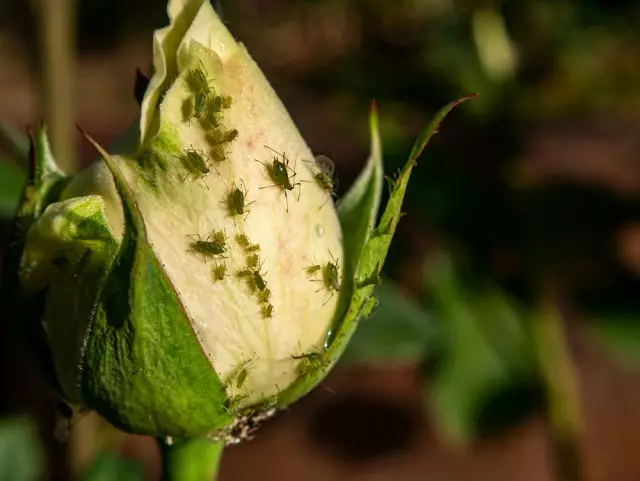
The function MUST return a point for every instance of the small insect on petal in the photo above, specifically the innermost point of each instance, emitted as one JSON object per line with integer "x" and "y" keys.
{"x": 264, "y": 296}
{"x": 279, "y": 173}
{"x": 219, "y": 272}
{"x": 267, "y": 311}
{"x": 214, "y": 245}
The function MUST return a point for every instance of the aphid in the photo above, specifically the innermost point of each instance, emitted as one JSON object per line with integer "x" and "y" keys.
{"x": 237, "y": 199}
{"x": 324, "y": 175}
{"x": 243, "y": 240}
{"x": 219, "y": 272}
{"x": 216, "y": 104}
{"x": 242, "y": 376}
{"x": 330, "y": 277}
{"x": 226, "y": 101}
{"x": 198, "y": 80}
{"x": 257, "y": 278}
{"x": 279, "y": 173}
{"x": 254, "y": 277}
{"x": 199, "y": 105}
{"x": 267, "y": 311}
{"x": 326, "y": 165}
{"x": 312, "y": 269}
{"x": 231, "y": 135}
{"x": 252, "y": 261}
{"x": 214, "y": 245}
{"x": 311, "y": 361}
{"x": 240, "y": 373}
{"x": 218, "y": 154}
{"x": 264, "y": 296}
{"x": 196, "y": 163}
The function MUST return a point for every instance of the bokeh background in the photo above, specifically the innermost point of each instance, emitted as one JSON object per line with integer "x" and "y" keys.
{"x": 506, "y": 343}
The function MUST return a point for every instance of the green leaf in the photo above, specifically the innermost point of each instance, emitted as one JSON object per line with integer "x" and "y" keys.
{"x": 21, "y": 455}
{"x": 400, "y": 330}
{"x": 487, "y": 347}
{"x": 111, "y": 467}
{"x": 368, "y": 267}
{"x": 12, "y": 181}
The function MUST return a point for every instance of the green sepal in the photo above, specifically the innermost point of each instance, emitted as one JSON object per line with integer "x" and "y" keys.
{"x": 45, "y": 177}
{"x": 376, "y": 243}
{"x": 69, "y": 251}
{"x": 145, "y": 370}
{"x": 358, "y": 208}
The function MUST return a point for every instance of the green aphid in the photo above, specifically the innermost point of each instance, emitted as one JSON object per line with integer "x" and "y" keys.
{"x": 214, "y": 245}
{"x": 233, "y": 404}
{"x": 226, "y": 101}
{"x": 200, "y": 105}
{"x": 196, "y": 163}
{"x": 198, "y": 80}
{"x": 223, "y": 137}
{"x": 242, "y": 376}
{"x": 259, "y": 281}
{"x": 248, "y": 247}
{"x": 237, "y": 199}
{"x": 331, "y": 275}
{"x": 267, "y": 311}
{"x": 311, "y": 361}
{"x": 279, "y": 173}
{"x": 218, "y": 154}
{"x": 264, "y": 296}
{"x": 312, "y": 269}
{"x": 239, "y": 374}
{"x": 231, "y": 135}
{"x": 216, "y": 104}
{"x": 252, "y": 261}
{"x": 243, "y": 240}
{"x": 324, "y": 175}
{"x": 253, "y": 277}
{"x": 219, "y": 272}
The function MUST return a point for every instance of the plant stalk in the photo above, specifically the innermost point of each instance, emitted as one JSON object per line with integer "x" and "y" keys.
{"x": 193, "y": 459}
{"x": 57, "y": 36}
{"x": 561, "y": 390}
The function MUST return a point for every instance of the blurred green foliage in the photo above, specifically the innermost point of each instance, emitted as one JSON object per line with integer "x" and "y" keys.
{"x": 21, "y": 455}
{"x": 111, "y": 467}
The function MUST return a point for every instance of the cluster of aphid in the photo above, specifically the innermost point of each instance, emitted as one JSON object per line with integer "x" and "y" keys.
{"x": 244, "y": 426}
{"x": 311, "y": 362}
{"x": 254, "y": 277}
{"x": 282, "y": 175}
{"x": 207, "y": 107}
